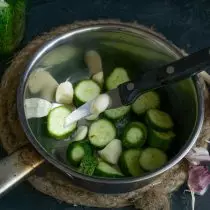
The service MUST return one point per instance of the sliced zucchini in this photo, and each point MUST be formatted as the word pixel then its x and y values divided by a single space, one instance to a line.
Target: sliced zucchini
pixel 55 123
pixel 85 91
pixel 111 152
pixel 80 133
pixel 159 120
pixel 101 132
pixel 149 100
pixel 117 113
pixel 105 170
pixel 152 159
pixel 64 93
pixel 135 135
pixel 99 78
pixel 161 140
pixel 129 162
pixel 75 153
pixel 117 77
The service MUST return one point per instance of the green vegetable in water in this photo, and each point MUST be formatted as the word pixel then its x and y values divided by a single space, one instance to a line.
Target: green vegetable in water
pixel 12 24
pixel 88 164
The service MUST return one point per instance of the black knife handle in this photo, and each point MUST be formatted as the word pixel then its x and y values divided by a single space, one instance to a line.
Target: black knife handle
pixel 170 73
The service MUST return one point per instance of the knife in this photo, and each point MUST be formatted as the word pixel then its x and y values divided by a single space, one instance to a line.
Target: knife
pixel 127 93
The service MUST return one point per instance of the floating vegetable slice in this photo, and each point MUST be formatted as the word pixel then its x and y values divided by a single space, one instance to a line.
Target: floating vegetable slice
pixel 105 170
pixel 152 159
pixel 81 133
pixel 93 61
pixel 160 140
pixel 85 91
pixel 117 77
pixel 101 132
pixel 75 153
pixel 99 78
pixel 64 93
pixel 117 113
pixel 159 120
pixel 146 101
pixel 111 152
pixel 39 80
pixel 36 107
pixel 55 123
pixel 92 117
pixel 129 162
pixel 135 135
pixel 100 104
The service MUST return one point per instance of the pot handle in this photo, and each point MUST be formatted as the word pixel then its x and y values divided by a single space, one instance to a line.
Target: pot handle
pixel 17 166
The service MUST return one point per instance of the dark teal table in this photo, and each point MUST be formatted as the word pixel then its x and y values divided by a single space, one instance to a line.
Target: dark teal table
pixel 185 22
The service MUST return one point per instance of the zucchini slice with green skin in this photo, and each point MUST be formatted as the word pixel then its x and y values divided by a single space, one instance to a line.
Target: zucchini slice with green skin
pixel 111 153
pixel 152 159
pixel 55 123
pixel 117 77
pixel 149 100
pixel 129 162
pixel 105 170
pixel 75 153
pixel 135 135
pixel 159 120
pixel 101 132
pixel 160 140
pixel 117 113
pixel 85 91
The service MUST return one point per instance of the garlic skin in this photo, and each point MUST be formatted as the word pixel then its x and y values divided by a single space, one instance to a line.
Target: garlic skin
pixel 64 93
pixel 197 155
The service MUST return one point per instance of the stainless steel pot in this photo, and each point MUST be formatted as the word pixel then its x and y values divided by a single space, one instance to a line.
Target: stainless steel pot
pixel 118 44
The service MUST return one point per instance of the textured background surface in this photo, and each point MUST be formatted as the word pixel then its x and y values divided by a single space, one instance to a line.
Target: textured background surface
pixel 184 22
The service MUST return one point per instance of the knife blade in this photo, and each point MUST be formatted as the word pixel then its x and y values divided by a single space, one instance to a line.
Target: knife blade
pixel 128 92
pixel 85 110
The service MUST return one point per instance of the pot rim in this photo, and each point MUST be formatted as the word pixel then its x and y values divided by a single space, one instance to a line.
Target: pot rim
pixel 123 27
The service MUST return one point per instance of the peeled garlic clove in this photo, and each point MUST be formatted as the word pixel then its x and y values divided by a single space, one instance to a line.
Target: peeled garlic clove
pixel 99 78
pixel 81 133
pixel 93 61
pixel 64 93
pixel 48 92
pixel 111 153
pixel 59 55
pixel 36 107
pixel 39 79
pixel 100 104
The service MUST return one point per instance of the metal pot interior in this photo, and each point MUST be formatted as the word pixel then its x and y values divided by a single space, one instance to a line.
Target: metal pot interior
pixel 137 51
